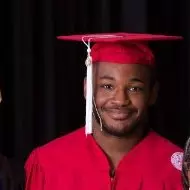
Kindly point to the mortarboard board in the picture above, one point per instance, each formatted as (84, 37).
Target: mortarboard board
(120, 48)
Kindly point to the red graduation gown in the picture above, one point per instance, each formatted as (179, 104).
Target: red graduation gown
(75, 162)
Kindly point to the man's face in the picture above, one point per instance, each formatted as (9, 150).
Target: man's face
(122, 96)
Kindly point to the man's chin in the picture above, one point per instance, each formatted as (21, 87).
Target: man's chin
(119, 131)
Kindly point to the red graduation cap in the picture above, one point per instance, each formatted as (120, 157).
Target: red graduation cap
(119, 37)
(120, 48)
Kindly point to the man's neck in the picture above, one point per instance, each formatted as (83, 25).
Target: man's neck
(116, 148)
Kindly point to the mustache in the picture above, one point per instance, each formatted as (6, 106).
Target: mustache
(119, 108)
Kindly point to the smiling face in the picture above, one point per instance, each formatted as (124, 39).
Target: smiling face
(122, 95)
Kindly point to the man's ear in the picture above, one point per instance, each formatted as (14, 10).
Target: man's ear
(84, 87)
(154, 94)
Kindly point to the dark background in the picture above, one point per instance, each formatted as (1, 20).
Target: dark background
(42, 78)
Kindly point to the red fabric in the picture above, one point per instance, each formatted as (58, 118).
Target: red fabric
(122, 53)
(75, 162)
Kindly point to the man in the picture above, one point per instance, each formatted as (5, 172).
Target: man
(119, 150)
(7, 179)
(186, 166)
(6, 175)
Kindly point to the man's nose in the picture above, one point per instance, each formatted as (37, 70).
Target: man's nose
(121, 97)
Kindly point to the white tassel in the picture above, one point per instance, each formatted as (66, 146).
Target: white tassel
(89, 81)
(89, 94)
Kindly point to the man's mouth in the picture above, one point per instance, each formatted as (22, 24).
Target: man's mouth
(117, 114)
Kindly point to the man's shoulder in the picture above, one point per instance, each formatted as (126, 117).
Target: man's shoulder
(67, 142)
(166, 153)
(165, 144)
(62, 148)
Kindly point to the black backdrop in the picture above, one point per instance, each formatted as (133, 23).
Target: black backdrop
(42, 78)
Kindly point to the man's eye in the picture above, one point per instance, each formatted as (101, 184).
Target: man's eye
(135, 89)
(107, 86)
